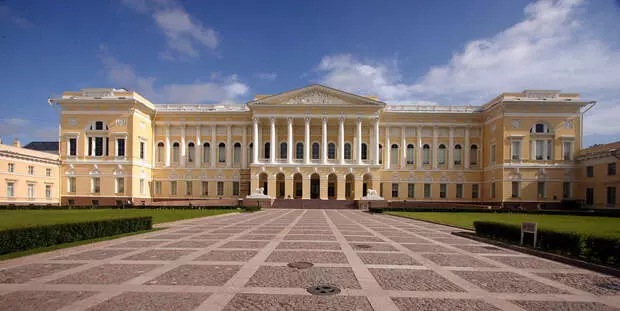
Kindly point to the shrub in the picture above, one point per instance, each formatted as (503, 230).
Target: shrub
(251, 208)
(21, 239)
(603, 249)
(561, 242)
(375, 210)
(499, 231)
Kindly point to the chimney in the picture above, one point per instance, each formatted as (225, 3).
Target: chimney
(16, 143)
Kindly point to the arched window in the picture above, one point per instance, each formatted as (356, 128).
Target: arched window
(380, 154)
(315, 151)
(221, 153)
(410, 155)
(175, 153)
(364, 151)
(442, 154)
(473, 155)
(190, 152)
(160, 152)
(540, 128)
(394, 154)
(458, 154)
(251, 153)
(426, 154)
(206, 153)
(347, 151)
(283, 150)
(267, 151)
(299, 151)
(237, 153)
(331, 151)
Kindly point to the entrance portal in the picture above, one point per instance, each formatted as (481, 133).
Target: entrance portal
(280, 186)
(315, 186)
(332, 186)
(298, 186)
(348, 186)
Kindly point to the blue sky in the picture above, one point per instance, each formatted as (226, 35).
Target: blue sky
(406, 52)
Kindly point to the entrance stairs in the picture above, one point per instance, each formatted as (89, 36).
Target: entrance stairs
(314, 204)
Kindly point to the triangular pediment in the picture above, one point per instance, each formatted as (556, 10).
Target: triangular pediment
(317, 95)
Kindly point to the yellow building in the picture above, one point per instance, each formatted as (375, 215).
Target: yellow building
(28, 176)
(319, 143)
(597, 175)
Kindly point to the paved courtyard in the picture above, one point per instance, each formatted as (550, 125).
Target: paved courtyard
(240, 262)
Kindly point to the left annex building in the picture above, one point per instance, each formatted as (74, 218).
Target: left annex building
(29, 175)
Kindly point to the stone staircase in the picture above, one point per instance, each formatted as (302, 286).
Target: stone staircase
(314, 204)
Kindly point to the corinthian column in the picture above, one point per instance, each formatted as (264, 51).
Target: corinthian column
(289, 145)
(341, 140)
(272, 148)
(256, 143)
(359, 141)
(324, 141)
(197, 148)
(307, 141)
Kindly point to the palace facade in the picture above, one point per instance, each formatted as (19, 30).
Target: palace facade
(318, 142)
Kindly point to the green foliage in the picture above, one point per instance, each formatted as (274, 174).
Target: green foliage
(377, 210)
(20, 239)
(251, 208)
(560, 242)
(603, 249)
(498, 231)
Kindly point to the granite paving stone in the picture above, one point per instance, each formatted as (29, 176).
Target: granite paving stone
(205, 275)
(41, 300)
(190, 244)
(525, 262)
(267, 276)
(227, 255)
(442, 304)
(309, 245)
(138, 244)
(507, 282)
(159, 254)
(258, 302)
(152, 302)
(308, 256)
(428, 248)
(531, 305)
(245, 244)
(373, 247)
(593, 283)
(414, 280)
(456, 260)
(387, 259)
(26, 273)
(309, 237)
(106, 274)
(97, 254)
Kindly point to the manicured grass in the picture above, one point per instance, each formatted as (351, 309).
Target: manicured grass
(29, 218)
(66, 245)
(607, 226)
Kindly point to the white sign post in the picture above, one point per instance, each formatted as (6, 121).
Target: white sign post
(529, 227)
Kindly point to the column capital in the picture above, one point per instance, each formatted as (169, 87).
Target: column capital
(272, 119)
(324, 119)
(256, 119)
(358, 120)
(307, 119)
(341, 119)
(290, 119)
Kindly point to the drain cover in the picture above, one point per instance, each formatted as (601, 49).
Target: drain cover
(324, 290)
(362, 246)
(610, 286)
(300, 265)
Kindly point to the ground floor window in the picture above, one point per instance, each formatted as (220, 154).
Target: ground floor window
(220, 188)
(188, 188)
(492, 190)
(474, 191)
(411, 191)
(395, 190)
(443, 191)
(566, 190)
(611, 196)
(72, 184)
(298, 189)
(515, 189)
(48, 192)
(96, 185)
(235, 188)
(427, 191)
(459, 191)
(173, 188)
(142, 186)
(158, 187)
(540, 189)
(30, 191)
(205, 188)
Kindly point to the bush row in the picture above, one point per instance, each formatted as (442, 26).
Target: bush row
(62, 207)
(21, 239)
(597, 249)
(590, 212)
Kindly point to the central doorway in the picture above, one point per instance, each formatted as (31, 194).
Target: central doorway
(315, 186)
(298, 186)
(280, 186)
(349, 185)
(332, 186)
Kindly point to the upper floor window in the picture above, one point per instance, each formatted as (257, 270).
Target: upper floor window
(221, 153)
(515, 149)
(237, 153)
(380, 154)
(331, 151)
(315, 151)
(160, 152)
(442, 154)
(175, 152)
(473, 155)
(364, 151)
(120, 147)
(283, 150)
(493, 152)
(590, 171)
(72, 146)
(206, 152)
(267, 151)
(99, 125)
(11, 168)
(347, 151)
(540, 128)
(458, 154)
(299, 151)
(48, 172)
(611, 169)
(543, 149)
(394, 154)
(410, 154)
(426, 154)
(567, 147)
(191, 149)
(30, 170)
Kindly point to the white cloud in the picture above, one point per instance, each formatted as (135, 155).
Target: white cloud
(224, 89)
(553, 47)
(270, 76)
(185, 34)
(25, 130)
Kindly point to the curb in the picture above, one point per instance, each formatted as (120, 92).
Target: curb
(551, 256)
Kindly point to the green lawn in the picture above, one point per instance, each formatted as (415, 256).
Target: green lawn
(579, 224)
(28, 218)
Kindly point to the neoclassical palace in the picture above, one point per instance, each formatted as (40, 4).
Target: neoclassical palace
(319, 143)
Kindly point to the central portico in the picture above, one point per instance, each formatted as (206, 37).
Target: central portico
(315, 142)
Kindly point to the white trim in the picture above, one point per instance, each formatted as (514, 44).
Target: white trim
(538, 114)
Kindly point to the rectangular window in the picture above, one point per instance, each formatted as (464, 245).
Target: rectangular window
(611, 196)
(142, 186)
(30, 191)
(427, 191)
(540, 152)
(611, 169)
(99, 126)
(96, 185)
(30, 170)
(90, 146)
(173, 188)
(120, 185)
(493, 152)
(107, 145)
(235, 188)
(98, 146)
(48, 172)
(474, 191)
(71, 185)
(11, 168)
(120, 147)
(459, 191)
(205, 188)
(566, 190)
(411, 191)
(220, 188)
(516, 150)
(142, 150)
(443, 191)
(48, 192)
(72, 146)
(540, 189)
(188, 188)
(590, 171)
(395, 190)
(515, 189)
(158, 187)
(10, 189)
(492, 191)
(568, 150)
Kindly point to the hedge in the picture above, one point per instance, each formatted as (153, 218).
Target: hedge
(597, 249)
(21, 239)
(67, 207)
(589, 212)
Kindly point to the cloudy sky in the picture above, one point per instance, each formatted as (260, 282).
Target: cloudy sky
(405, 52)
